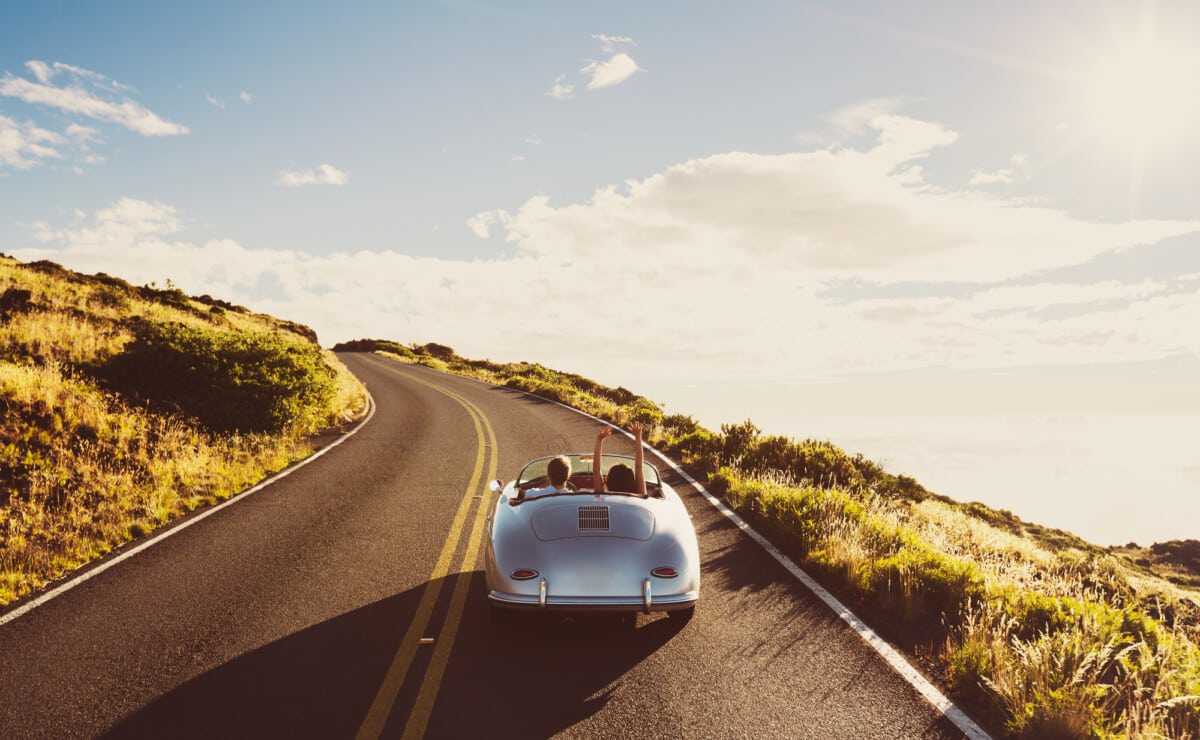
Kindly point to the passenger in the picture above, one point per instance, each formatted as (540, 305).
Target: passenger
(558, 471)
(620, 478)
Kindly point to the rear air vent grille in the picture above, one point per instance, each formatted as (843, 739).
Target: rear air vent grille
(593, 518)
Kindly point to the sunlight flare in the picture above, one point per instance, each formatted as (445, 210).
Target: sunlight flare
(1143, 94)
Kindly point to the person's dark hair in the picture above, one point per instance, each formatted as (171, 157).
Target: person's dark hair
(558, 469)
(621, 479)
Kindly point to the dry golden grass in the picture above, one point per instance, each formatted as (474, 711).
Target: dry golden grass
(81, 470)
(40, 335)
(351, 400)
(1055, 642)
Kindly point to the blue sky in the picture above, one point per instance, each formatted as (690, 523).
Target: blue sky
(870, 209)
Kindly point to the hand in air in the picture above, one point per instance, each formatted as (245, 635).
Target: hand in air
(605, 431)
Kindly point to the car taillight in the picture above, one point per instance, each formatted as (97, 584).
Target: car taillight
(665, 571)
(524, 574)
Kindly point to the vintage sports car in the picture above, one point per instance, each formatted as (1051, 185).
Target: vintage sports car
(587, 551)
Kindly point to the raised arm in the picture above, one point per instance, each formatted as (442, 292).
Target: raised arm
(597, 457)
(638, 456)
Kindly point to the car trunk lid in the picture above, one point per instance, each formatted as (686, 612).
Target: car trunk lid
(559, 520)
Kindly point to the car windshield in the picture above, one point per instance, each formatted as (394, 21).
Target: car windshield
(581, 465)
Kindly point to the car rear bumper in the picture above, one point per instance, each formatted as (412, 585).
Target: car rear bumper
(663, 603)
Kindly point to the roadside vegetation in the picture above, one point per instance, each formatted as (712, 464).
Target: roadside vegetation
(1040, 633)
(123, 408)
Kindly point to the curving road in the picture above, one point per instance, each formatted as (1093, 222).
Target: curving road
(343, 601)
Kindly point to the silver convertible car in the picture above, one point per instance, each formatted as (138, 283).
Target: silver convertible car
(587, 551)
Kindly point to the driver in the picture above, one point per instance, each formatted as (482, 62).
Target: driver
(557, 470)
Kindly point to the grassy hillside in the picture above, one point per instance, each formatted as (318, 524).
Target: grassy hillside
(1178, 561)
(123, 407)
(1037, 630)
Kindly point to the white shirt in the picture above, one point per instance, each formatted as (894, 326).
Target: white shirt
(546, 491)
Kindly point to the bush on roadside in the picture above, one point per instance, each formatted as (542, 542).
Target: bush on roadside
(644, 411)
(245, 382)
(698, 449)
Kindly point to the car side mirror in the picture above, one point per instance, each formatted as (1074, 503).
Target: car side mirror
(495, 486)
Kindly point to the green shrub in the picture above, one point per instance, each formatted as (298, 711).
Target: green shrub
(677, 425)
(440, 351)
(376, 345)
(698, 448)
(904, 486)
(229, 381)
(973, 648)
(541, 388)
(482, 366)
(926, 582)
(432, 362)
(645, 411)
(113, 297)
(999, 518)
(737, 441)
(170, 296)
(812, 461)
(208, 300)
(620, 396)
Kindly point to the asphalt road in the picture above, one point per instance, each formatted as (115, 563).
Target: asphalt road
(299, 612)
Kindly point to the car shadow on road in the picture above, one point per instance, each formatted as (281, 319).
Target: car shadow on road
(320, 681)
(536, 676)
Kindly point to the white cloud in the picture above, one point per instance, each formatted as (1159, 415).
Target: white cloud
(325, 174)
(78, 99)
(1022, 325)
(610, 44)
(40, 70)
(127, 222)
(724, 266)
(758, 235)
(213, 101)
(999, 177)
(82, 134)
(612, 72)
(855, 120)
(1004, 176)
(480, 224)
(95, 78)
(601, 74)
(24, 145)
(561, 90)
(246, 97)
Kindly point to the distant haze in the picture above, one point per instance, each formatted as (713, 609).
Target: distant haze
(1110, 478)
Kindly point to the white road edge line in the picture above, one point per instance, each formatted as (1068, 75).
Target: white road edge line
(898, 662)
(72, 582)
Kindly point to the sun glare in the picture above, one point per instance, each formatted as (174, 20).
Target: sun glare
(1147, 95)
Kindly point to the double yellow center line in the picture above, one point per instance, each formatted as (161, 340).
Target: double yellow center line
(418, 718)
